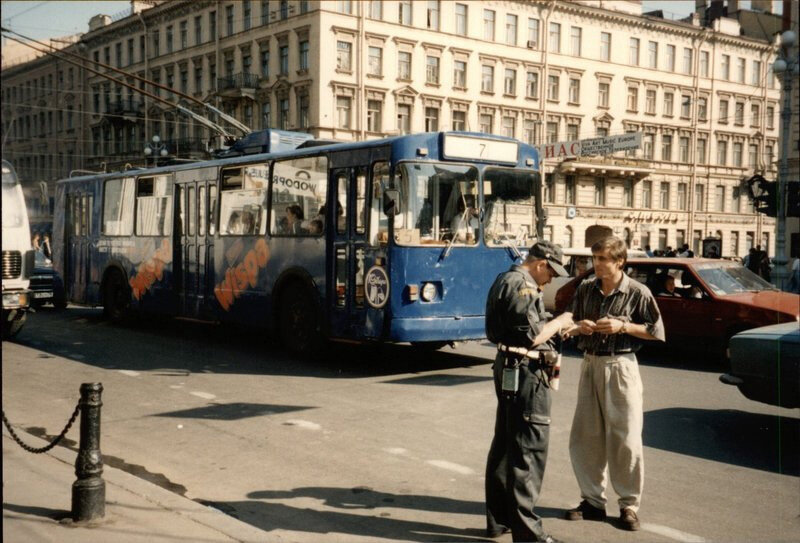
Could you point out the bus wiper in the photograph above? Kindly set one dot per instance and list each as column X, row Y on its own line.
column 513, row 248
column 450, row 242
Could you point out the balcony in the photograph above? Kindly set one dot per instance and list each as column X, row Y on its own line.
column 237, row 85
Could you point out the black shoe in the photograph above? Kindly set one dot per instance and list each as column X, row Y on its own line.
column 497, row 532
column 586, row 511
column 628, row 519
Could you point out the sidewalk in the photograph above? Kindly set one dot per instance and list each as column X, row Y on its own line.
column 37, row 494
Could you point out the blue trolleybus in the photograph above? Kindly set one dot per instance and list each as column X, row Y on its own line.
column 395, row 239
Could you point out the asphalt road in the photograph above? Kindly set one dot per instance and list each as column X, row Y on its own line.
column 387, row 443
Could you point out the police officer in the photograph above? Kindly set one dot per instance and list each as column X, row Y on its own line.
column 518, row 324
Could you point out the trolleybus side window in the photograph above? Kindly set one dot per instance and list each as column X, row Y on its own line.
column 440, row 204
column 299, row 188
column 118, row 207
column 510, row 217
column 361, row 200
column 342, row 188
column 243, row 200
column 212, row 209
column 378, row 222
column 153, row 206
column 201, row 210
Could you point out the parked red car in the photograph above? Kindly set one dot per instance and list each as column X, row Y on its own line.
column 704, row 302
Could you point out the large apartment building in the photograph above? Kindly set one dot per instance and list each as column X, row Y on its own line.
column 700, row 90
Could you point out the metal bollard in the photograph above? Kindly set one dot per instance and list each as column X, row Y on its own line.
column 89, row 490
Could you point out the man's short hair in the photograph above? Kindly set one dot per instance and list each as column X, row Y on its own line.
column 616, row 248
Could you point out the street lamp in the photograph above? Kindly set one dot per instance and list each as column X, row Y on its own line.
column 156, row 149
column 787, row 65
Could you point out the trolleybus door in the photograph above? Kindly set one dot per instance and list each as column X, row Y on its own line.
column 76, row 255
column 348, row 226
column 192, row 246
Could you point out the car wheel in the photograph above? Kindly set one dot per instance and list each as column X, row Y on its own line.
column 299, row 321
column 11, row 329
column 116, row 298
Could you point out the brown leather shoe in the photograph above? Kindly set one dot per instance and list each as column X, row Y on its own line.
column 586, row 511
column 629, row 519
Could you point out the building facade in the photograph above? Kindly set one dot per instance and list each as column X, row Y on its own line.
column 701, row 93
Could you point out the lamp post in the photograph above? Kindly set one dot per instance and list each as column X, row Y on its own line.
column 787, row 66
column 156, row 148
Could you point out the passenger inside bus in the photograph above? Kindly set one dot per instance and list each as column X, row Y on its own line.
column 248, row 223
column 234, row 224
column 294, row 218
column 464, row 224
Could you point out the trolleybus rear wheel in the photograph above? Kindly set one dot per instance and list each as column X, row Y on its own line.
column 116, row 299
column 299, row 321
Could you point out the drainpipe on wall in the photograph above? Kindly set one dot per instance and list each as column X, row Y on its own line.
column 709, row 109
column 362, row 95
column 543, row 124
column 147, row 76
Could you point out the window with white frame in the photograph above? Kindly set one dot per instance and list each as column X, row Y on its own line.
column 686, row 106
column 487, row 78
column 432, row 70
column 375, row 60
column 722, row 152
column 666, row 147
column 374, row 115
column 723, row 112
column 510, row 81
column 460, row 74
column 433, row 14
column 670, row 60
column 647, row 194
column 699, row 198
column 648, row 141
column 600, row 191
column 633, row 52
column 573, row 131
column 770, row 117
column 574, row 90
column 605, row 46
column 555, row 38
column 650, row 101
column 404, row 118
column 719, row 199
column 663, row 195
column 725, row 64
column 739, row 113
column 669, row 103
column 602, row 94
column 459, row 120
column 529, row 131
column 682, row 196
column 552, row 86
column 702, row 108
column 533, row 33
column 485, row 122
column 509, row 125
column 704, row 63
column 431, row 119
column 737, row 154
column 683, row 149
column 755, row 115
column 575, row 35
column 652, row 54
column 687, row 60
column 755, row 73
column 511, row 29
column 740, row 70
column 552, row 131
column 488, row 25
column 461, row 19
column 343, row 108
column 702, row 144
column 404, row 65
column 344, row 55
column 532, row 85
column 404, row 8
column 633, row 99
column 753, row 156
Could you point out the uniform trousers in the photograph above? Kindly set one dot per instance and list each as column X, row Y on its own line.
column 517, row 458
column 607, row 430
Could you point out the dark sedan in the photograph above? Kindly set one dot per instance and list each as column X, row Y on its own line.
column 46, row 286
column 765, row 364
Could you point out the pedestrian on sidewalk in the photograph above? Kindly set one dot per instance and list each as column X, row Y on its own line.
column 613, row 315
column 517, row 323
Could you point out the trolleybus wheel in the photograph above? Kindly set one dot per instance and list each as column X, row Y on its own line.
column 299, row 321
column 116, row 299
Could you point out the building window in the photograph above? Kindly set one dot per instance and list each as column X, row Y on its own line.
column 511, row 29
column 600, row 191
column 719, row 199
column 376, row 10
column 460, row 74
column 633, row 99
column 212, row 24
column 650, row 101
column 683, row 149
column 572, row 131
column 432, row 70
column 647, row 194
column 375, row 62
column 726, row 67
column 753, row 156
column 769, row 151
column 735, row 243
column 739, row 113
column 431, row 119
column 702, row 108
column 510, row 81
column 574, row 90
column 487, row 78
column 770, row 117
column 198, row 30
column 555, row 38
column 304, row 55
column 343, row 107
column 461, row 19
column 569, row 190
column 575, row 35
column 549, row 188
column 374, row 115
column 740, row 70
column 602, row 94
column 459, row 120
column 652, row 54
column 669, row 100
column 488, row 25
column 723, row 111
column 686, row 106
column 529, row 131
column 737, row 154
column 265, row 62
column 283, row 8
column 704, row 63
column 755, row 75
column 552, row 87
column 627, row 193
column 343, row 55
column 404, row 13
column 687, row 60
column 662, row 238
column 433, row 14
column 699, row 198
column 648, row 145
column 552, row 132
column 682, row 202
column 229, row 20
column 605, row 46
column 633, row 50
column 532, row 85
column 303, row 111
column 722, row 152
column 663, row 196
column 342, row 6
column 404, row 118
column 404, row 65
column 533, row 33
column 284, row 58
column 169, row 39
column 755, row 115
column 666, row 147
column 671, row 58
column 701, row 151
column 485, row 122
column 509, row 126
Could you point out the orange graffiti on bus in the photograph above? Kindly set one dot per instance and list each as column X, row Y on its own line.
column 245, row 273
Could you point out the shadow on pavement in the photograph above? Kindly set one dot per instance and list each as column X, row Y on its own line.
column 55, row 514
column 194, row 347
column 751, row 440
column 233, row 411
column 368, row 523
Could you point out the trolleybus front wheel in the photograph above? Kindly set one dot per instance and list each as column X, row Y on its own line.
column 116, row 298
column 299, row 321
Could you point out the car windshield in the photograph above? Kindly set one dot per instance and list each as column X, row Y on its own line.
column 440, row 204
column 731, row 278
column 510, row 207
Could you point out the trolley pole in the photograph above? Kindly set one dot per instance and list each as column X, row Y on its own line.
column 89, row 490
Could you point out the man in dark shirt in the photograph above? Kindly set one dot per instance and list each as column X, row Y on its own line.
column 517, row 322
column 613, row 314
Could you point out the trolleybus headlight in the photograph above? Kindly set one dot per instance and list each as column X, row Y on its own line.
column 428, row 292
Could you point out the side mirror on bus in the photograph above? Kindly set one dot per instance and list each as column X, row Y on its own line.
column 391, row 202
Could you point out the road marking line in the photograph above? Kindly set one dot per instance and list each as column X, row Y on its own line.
column 672, row 533
column 204, row 395
column 176, row 386
column 129, row 373
column 458, row 468
column 308, row 425
column 396, row 450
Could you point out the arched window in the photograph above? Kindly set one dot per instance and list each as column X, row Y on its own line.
column 567, row 237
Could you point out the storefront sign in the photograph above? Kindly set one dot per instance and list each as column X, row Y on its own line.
column 593, row 146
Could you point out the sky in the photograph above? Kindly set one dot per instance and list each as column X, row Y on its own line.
column 56, row 18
